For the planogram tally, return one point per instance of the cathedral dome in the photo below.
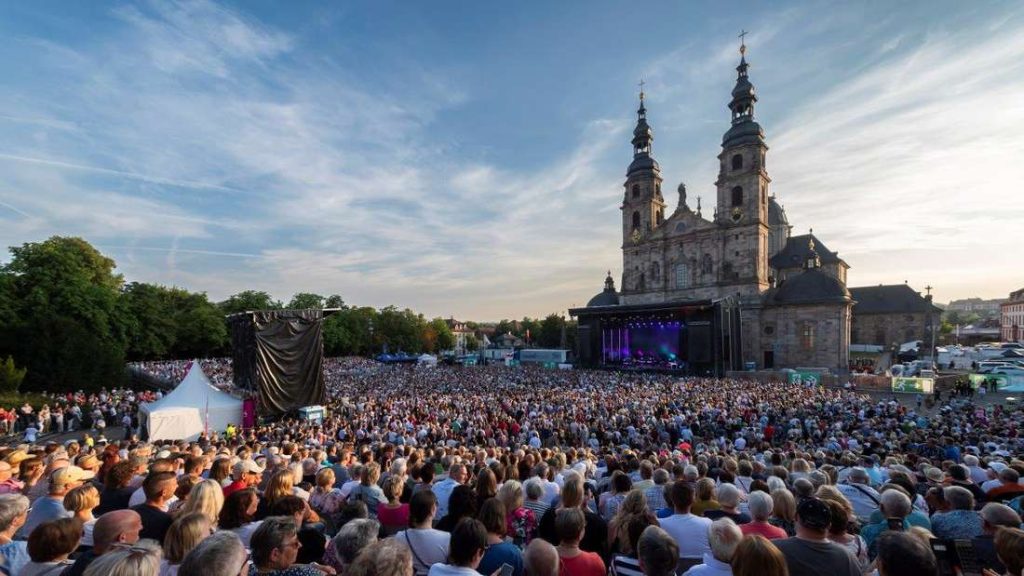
(812, 287)
(776, 214)
(643, 162)
(607, 297)
(743, 133)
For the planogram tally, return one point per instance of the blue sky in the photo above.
(467, 158)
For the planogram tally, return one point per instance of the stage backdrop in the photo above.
(281, 354)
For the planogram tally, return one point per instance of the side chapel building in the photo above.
(788, 293)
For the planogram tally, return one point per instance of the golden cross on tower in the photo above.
(642, 88)
(743, 41)
(929, 289)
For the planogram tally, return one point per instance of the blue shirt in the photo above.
(15, 557)
(443, 492)
(956, 524)
(498, 554)
(44, 510)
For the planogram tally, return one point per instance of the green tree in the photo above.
(200, 328)
(249, 300)
(69, 330)
(550, 333)
(472, 344)
(304, 300)
(504, 327)
(442, 334)
(529, 330)
(10, 375)
(347, 333)
(150, 328)
(334, 301)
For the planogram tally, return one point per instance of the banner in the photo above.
(808, 377)
(1003, 382)
(913, 385)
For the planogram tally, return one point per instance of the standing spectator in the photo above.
(783, 511)
(729, 502)
(443, 489)
(367, 491)
(535, 498)
(655, 495)
(540, 559)
(627, 563)
(13, 512)
(704, 499)
(499, 551)
(895, 506)
(117, 491)
(119, 527)
(760, 505)
(221, 554)
(207, 498)
(658, 552)
(468, 544)
(723, 537)
(325, 498)
(595, 537)
(689, 531)
(393, 515)
(50, 545)
(461, 504)
(275, 547)
(350, 540)
(901, 554)
(159, 488)
(810, 553)
(81, 502)
(522, 523)
(239, 514)
(51, 507)
(428, 546)
(960, 521)
(838, 532)
(757, 556)
(993, 517)
(185, 533)
(569, 526)
(246, 474)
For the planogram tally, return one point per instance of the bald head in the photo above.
(118, 526)
(540, 558)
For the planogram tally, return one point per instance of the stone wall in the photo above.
(887, 329)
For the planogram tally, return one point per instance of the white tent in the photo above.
(190, 408)
(427, 360)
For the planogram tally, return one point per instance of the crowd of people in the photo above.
(513, 471)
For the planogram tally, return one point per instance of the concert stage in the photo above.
(678, 337)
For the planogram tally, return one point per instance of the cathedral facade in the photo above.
(790, 291)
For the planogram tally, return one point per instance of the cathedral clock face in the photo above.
(737, 214)
(635, 236)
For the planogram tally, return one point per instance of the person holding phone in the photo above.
(501, 556)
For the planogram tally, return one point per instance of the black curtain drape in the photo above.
(282, 353)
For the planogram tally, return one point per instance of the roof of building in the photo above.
(776, 213)
(796, 252)
(606, 297)
(743, 133)
(890, 299)
(643, 162)
(811, 287)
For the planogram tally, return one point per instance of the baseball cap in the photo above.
(814, 513)
(247, 467)
(70, 474)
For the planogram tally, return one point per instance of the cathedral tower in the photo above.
(742, 184)
(643, 207)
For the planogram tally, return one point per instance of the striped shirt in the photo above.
(623, 565)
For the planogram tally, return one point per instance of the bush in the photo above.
(10, 375)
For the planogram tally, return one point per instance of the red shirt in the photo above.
(584, 564)
(763, 529)
(234, 487)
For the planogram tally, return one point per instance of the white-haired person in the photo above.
(761, 505)
(139, 559)
(723, 536)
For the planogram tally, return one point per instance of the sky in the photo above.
(467, 159)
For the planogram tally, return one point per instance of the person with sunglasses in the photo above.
(275, 546)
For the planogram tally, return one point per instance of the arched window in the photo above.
(737, 162)
(636, 220)
(706, 266)
(636, 191)
(682, 276)
(737, 196)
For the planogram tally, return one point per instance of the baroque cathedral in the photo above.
(788, 293)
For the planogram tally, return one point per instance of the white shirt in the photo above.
(711, 567)
(449, 570)
(690, 533)
(431, 547)
(139, 497)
